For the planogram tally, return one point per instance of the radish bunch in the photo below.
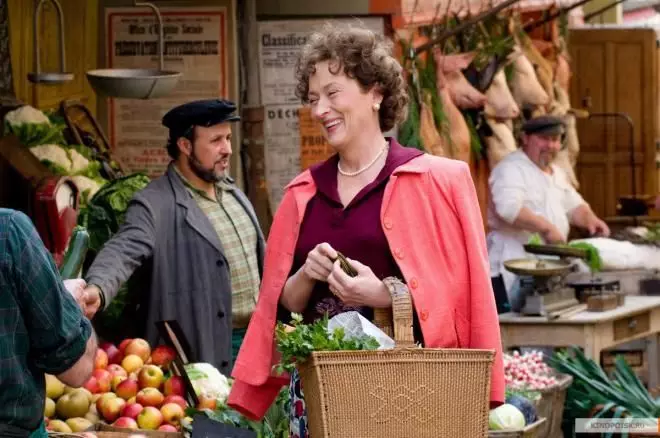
(527, 371)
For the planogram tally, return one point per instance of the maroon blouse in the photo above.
(354, 231)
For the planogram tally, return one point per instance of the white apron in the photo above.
(550, 196)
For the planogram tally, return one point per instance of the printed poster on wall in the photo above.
(195, 44)
(280, 42)
(293, 139)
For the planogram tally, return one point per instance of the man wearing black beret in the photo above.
(193, 240)
(529, 194)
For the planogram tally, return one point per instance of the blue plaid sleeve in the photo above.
(58, 331)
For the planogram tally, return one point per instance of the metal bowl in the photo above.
(50, 77)
(133, 83)
(538, 267)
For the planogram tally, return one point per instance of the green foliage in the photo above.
(594, 394)
(296, 342)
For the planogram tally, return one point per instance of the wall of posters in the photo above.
(195, 44)
(293, 140)
(279, 46)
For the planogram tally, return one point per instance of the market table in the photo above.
(638, 318)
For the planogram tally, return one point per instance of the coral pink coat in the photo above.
(431, 217)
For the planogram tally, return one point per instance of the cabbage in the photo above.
(506, 417)
(208, 381)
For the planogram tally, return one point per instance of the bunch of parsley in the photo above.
(297, 341)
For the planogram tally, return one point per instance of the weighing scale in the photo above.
(547, 292)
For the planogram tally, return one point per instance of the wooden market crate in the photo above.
(107, 431)
(551, 407)
(529, 431)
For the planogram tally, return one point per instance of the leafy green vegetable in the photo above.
(593, 259)
(35, 134)
(296, 342)
(105, 211)
(594, 394)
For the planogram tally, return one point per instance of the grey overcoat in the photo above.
(182, 271)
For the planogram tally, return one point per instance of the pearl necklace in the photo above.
(359, 171)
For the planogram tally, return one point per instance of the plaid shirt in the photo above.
(42, 329)
(239, 240)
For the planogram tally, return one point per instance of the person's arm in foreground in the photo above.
(62, 341)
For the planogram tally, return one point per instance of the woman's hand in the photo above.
(319, 262)
(363, 290)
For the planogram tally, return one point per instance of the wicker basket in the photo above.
(551, 407)
(529, 431)
(406, 392)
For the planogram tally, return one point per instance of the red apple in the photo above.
(100, 402)
(150, 397)
(104, 379)
(177, 399)
(174, 386)
(116, 370)
(131, 410)
(150, 418)
(172, 413)
(100, 360)
(116, 380)
(140, 348)
(126, 389)
(114, 355)
(111, 409)
(126, 423)
(167, 428)
(163, 355)
(123, 344)
(92, 385)
(105, 345)
(150, 376)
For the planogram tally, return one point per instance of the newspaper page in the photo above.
(195, 44)
(282, 149)
(280, 42)
(291, 144)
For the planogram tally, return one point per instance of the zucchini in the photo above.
(75, 254)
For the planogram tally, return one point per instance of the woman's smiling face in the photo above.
(340, 104)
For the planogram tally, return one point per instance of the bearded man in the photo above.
(529, 194)
(192, 239)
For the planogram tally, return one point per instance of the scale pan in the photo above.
(133, 83)
(537, 268)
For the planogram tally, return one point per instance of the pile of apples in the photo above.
(128, 389)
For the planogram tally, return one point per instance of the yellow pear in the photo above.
(75, 404)
(49, 408)
(93, 417)
(85, 391)
(54, 388)
(79, 424)
(59, 426)
(68, 389)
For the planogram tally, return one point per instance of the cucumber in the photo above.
(75, 254)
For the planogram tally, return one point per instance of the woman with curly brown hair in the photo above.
(399, 215)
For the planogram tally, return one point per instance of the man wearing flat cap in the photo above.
(529, 194)
(192, 240)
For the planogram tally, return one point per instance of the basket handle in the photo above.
(397, 321)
